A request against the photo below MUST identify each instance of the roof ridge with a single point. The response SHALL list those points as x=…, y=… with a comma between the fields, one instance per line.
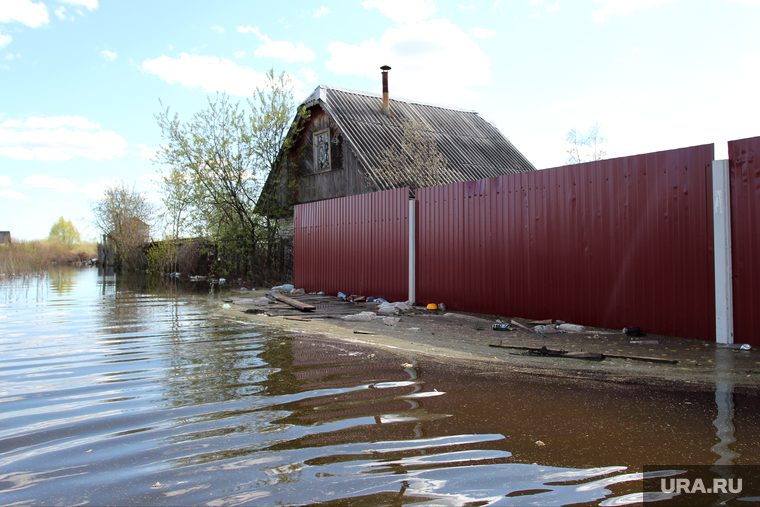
x=315, y=95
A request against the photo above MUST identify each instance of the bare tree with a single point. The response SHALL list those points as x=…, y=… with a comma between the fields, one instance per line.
x=124, y=216
x=585, y=146
x=416, y=162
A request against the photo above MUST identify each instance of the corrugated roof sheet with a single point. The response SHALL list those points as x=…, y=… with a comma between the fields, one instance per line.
x=474, y=148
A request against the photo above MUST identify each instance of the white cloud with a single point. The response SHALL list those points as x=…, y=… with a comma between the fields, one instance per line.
x=432, y=61
x=622, y=8
x=90, y=4
x=95, y=190
x=37, y=122
x=143, y=151
x=279, y=49
x=553, y=8
x=5, y=181
x=13, y=195
x=5, y=40
x=218, y=28
x=239, y=54
x=109, y=55
x=308, y=74
x=63, y=185
x=58, y=138
x=321, y=12
x=209, y=73
x=482, y=33
x=60, y=13
x=403, y=11
x=25, y=12
x=466, y=7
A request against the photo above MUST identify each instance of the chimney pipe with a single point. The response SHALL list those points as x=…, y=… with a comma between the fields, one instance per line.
x=386, y=102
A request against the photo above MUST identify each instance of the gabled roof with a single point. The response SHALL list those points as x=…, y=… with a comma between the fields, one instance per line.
x=474, y=148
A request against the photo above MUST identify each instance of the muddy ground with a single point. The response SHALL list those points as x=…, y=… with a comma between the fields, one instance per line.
x=469, y=340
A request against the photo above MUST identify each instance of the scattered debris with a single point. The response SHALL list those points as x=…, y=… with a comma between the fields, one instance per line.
x=735, y=346
x=357, y=331
x=645, y=342
x=571, y=328
x=540, y=322
x=294, y=303
x=289, y=318
x=391, y=321
x=540, y=443
x=633, y=331
x=407, y=365
x=158, y=485
x=644, y=358
x=393, y=307
x=362, y=317
x=501, y=327
x=547, y=329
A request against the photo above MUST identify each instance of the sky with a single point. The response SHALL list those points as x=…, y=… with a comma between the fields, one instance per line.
x=81, y=80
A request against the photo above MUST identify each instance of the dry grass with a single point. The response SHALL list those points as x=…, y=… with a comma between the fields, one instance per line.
x=33, y=256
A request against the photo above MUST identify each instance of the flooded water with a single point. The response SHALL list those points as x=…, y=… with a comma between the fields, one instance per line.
x=127, y=391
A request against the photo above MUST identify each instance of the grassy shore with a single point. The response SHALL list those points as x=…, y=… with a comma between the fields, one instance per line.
x=24, y=257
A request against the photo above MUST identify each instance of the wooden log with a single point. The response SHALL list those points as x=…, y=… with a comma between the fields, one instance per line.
x=304, y=307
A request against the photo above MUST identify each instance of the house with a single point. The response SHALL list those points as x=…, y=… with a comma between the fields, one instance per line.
x=5, y=238
x=339, y=150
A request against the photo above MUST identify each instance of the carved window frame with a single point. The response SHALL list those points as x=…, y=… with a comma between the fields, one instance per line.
x=322, y=146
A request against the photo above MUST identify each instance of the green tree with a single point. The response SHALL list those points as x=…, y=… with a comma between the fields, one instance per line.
x=124, y=216
x=64, y=233
x=585, y=146
x=219, y=161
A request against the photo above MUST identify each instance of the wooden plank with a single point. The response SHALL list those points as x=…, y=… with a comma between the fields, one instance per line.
x=304, y=307
x=644, y=358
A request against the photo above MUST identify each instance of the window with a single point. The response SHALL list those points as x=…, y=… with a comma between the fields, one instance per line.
x=322, y=151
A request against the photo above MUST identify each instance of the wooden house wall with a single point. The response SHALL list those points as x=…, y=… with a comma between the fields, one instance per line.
x=344, y=178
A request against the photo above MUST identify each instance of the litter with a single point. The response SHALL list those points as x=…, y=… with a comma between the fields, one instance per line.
x=393, y=307
x=571, y=328
x=432, y=306
x=297, y=291
x=361, y=317
x=633, y=331
x=545, y=329
x=341, y=295
x=645, y=342
x=501, y=327
x=391, y=321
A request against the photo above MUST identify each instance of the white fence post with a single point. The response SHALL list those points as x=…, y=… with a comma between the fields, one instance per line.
x=724, y=306
x=412, y=254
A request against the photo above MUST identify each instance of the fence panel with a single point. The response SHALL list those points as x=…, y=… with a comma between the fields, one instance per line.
x=356, y=245
x=614, y=243
x=744, y=177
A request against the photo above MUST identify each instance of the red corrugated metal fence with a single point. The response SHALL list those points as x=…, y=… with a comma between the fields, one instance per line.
x=744, y=170
x=614, y=243
x=357, y=245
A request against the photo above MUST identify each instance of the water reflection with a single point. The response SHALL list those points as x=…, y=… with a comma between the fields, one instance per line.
x=141, y=394
x=724, y=399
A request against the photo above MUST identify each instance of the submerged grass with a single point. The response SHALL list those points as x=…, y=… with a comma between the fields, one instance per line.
x=23, y=257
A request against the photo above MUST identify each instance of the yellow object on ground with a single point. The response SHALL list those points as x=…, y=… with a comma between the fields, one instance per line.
x=432, y=306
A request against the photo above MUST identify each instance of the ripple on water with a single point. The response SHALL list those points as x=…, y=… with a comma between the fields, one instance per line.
x=142, y=399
